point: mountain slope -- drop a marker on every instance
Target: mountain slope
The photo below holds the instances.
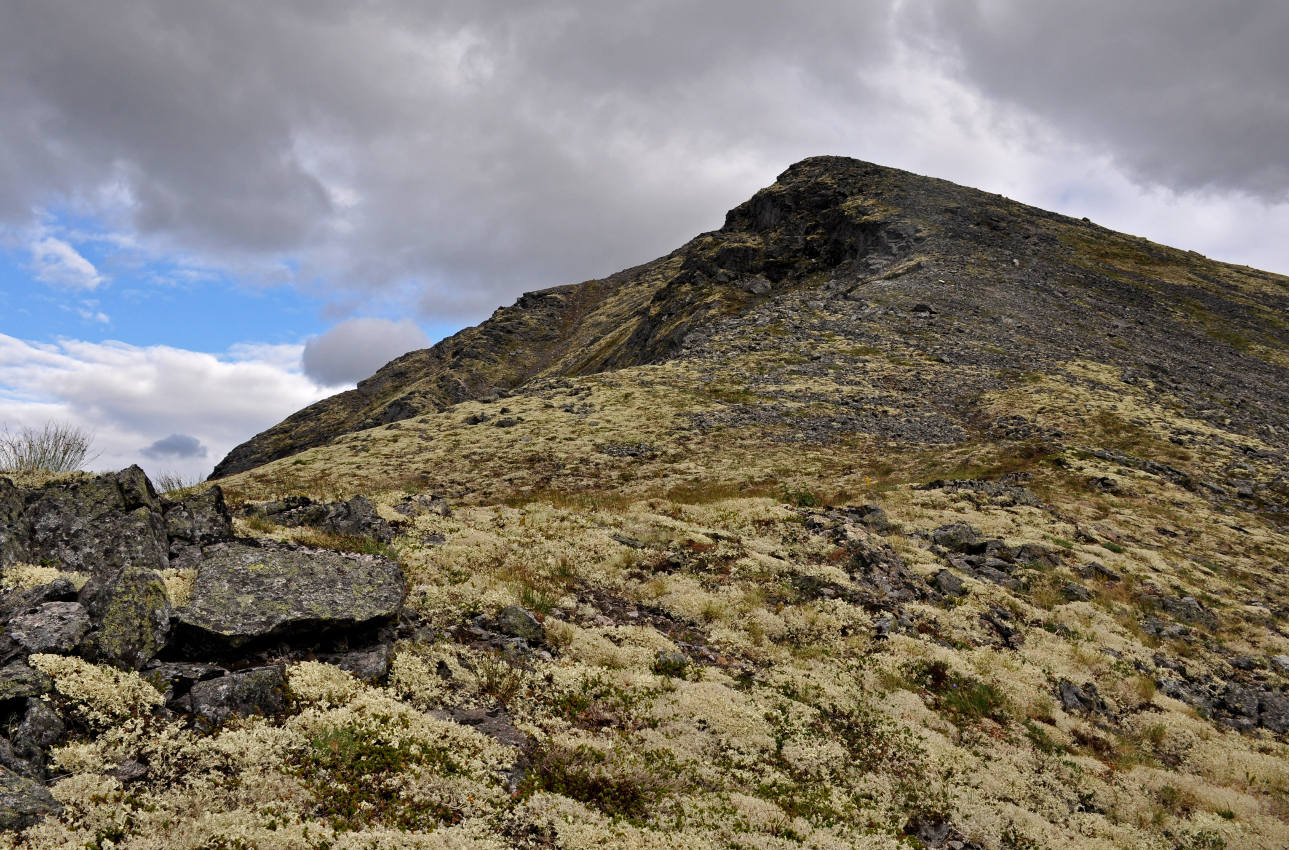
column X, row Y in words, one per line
column 892, row 514
column 1001, row 276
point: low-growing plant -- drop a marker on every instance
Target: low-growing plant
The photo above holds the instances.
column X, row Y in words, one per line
column 963, row 699
column 499, row 679
column 801, row 497
column 354, row 781
column 622, row 784
column 345, row 543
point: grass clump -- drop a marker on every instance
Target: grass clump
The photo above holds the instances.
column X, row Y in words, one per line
column 54, row 447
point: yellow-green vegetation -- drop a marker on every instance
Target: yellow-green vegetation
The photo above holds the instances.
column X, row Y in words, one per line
column 796, row 728
column 734, row 656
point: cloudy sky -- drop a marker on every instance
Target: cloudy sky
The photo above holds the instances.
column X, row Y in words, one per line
column 212, row 214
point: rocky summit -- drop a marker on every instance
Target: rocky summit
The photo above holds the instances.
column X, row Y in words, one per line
column 891, row 514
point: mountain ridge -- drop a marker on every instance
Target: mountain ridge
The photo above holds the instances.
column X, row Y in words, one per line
column 855, row 222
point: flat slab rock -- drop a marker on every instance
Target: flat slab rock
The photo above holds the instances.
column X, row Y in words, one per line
column 244, row 593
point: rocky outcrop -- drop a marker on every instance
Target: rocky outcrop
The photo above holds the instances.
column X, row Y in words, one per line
column 304, row 602
column 91, row 524
column 356, row 517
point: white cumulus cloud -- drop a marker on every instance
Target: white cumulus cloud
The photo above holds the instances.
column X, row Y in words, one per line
column 136, row 400
column 57, row 262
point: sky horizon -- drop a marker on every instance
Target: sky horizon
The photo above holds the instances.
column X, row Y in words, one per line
column 212, row 216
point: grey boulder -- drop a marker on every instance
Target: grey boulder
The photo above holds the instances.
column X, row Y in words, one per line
column 22, row 801
column 19, row 680
column 198, row 520
column 96, row 524
column 245, row 593
column 518, row 622
column 130, row 612
column 53, row 627
column 258, row 691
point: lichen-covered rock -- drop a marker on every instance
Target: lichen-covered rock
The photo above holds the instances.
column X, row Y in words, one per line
column 198, row 520
column 40, row 729
column 258, row 691
column 19, row 680
column 24, row 600
column 22, row 801
column 96, row 523
column 354, row 518
column 370, row 664
column 949, row 584
column 14, row 529
column 519, row 622
column 959, row 537
column 52, row 627
column 130, row 612
column 246, row 593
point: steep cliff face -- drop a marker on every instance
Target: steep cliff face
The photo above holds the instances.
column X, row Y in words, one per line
column 1021, row 286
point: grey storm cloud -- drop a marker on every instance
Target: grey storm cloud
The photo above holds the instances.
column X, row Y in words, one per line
column 446, row 156
column 1186, row 95
column 176, row 447
column 355, row 348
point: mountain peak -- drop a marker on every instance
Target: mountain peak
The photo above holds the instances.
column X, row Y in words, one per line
column 1015, row 288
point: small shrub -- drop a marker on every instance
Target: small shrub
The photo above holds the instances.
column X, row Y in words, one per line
column 802, row 497
column 500, row 680
column 1113, row 547
column 1042, row 742
column 965, row 700
column 1205, row 839
column 354, row 780
column 621, row 784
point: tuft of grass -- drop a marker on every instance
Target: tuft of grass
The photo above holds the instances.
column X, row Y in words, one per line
column 172, row 483
column 54, row 447
column 344, row 543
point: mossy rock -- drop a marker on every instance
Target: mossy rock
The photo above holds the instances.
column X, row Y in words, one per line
column 247, row 593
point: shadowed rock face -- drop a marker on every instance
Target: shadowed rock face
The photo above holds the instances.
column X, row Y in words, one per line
column 247, row 593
